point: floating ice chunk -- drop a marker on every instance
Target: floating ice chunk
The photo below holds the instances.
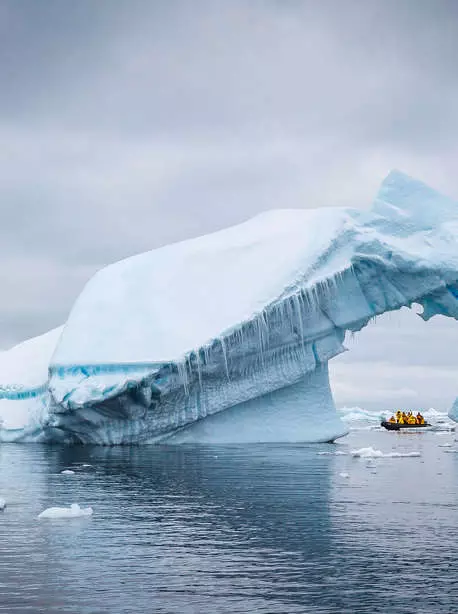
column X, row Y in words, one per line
column 2, row 504
column 74, row 511
column 373, row 453
column 445, row 445
column 67, row 472
column 403, row 455
column 344, row 475
column 337, row 453
column 366, row 453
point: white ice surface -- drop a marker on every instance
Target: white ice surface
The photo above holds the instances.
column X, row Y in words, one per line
column 26, row 365
column 184, row 295
column 23, row 385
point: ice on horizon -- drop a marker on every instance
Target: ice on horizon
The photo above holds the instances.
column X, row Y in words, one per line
column 227, row 337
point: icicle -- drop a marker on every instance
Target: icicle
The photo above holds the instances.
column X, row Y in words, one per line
column 300, row 322
column 260, row 343
column 199, row 368
column 223, row 347
column 183, row 375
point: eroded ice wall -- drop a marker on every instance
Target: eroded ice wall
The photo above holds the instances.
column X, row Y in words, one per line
column 228, row 335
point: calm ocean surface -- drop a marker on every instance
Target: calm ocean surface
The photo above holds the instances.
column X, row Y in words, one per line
column 270, row 529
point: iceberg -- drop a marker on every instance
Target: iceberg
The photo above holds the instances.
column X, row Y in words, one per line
column 453, row 413
column 226, row 338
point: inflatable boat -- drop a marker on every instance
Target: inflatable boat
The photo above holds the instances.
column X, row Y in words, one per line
column 395, row 426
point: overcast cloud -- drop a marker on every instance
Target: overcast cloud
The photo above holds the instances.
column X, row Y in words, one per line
column 125, row 125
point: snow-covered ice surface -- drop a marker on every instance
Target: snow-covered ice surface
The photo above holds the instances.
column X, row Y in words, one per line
column 226, row 337
column 24, row 391
column 74, row 511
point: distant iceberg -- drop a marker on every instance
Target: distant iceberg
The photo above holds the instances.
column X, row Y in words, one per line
column 227, row 337
column 453, row 413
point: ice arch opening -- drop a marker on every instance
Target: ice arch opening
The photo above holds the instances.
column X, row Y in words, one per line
column 227, row 337
column 398, row 361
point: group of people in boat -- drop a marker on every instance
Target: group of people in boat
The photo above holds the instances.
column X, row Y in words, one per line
column 402, row 417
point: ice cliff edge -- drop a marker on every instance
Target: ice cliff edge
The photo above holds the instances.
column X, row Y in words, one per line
column 227, row 337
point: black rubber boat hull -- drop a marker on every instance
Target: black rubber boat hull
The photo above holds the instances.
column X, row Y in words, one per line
column 394, row 426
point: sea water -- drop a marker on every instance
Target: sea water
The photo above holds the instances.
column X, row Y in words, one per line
column 261, row 528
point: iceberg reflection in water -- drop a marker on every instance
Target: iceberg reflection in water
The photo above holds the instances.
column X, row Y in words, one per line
column 267, row 528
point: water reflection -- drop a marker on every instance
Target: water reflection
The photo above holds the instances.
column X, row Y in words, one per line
column 226, row 529
column 223, row 529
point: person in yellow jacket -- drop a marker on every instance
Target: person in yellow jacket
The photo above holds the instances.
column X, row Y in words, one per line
column 411, row 419
column 392, row 420
column 419, row 419
column 398, row 416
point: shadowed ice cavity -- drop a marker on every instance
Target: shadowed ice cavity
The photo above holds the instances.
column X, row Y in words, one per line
column 227, row 337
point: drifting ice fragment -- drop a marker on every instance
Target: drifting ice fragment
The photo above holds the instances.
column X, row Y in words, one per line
column 2, row 504
column 67, row 472
column 373, row 453
column 74, row 511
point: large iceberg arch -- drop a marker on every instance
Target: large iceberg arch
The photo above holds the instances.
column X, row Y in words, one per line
column 227, row 337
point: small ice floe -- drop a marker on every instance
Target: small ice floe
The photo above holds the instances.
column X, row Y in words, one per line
column 337, row 453
column 74, row 511
column 67, row 472
column 344, row 475
column 445, row 445
column 373, row 453
column 2, row 504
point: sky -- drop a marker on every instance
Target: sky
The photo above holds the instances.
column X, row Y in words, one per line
column 126, row 125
